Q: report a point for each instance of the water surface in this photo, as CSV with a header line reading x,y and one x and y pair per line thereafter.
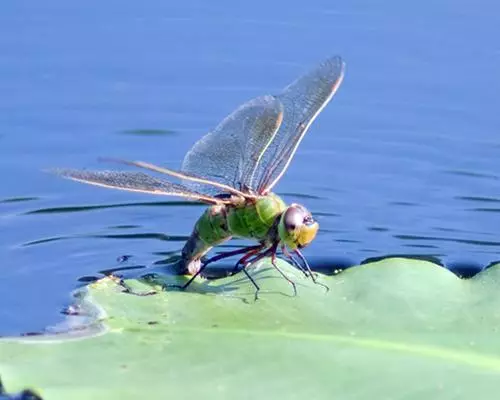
x,y
403,161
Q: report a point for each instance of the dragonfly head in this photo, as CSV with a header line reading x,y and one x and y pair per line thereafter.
x,y
297,228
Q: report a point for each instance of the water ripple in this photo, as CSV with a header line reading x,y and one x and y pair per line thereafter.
x,y
443,239
73,209
18,199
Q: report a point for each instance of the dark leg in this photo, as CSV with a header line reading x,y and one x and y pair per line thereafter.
x,y
257,288
248,262
269,252
244,260
294,261
273,261
303,259
217,258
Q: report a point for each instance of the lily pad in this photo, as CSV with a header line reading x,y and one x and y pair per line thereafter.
x,y
392,329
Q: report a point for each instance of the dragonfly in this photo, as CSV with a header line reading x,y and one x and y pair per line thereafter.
x,y
233,170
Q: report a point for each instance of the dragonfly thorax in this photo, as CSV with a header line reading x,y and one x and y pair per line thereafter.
x,y
256,218
269,220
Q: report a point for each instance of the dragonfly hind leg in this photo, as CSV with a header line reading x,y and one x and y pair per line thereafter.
x,y
214,259
257,287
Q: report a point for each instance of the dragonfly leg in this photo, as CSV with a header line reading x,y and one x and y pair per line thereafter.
x,y
273,261
245,261
269,252
292,259
306,264
257,288
217,258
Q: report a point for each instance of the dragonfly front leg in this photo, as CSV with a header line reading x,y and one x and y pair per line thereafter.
x,y
294,261
306,264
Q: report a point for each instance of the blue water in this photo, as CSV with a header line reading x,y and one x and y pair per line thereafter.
x,y
403,161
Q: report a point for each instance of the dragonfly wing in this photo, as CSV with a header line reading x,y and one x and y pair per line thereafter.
x,y
303,100
135,182
180,175
230,153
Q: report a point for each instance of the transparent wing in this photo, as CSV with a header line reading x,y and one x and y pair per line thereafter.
x,y
303,100
135,182
230,153
219,187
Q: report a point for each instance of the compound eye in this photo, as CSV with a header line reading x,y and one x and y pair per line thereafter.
x,y
294,217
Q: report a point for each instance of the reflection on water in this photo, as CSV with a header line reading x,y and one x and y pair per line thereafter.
x,y
404,161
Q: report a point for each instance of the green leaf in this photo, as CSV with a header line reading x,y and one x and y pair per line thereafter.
x,y
393,329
